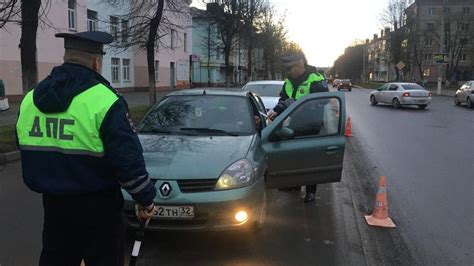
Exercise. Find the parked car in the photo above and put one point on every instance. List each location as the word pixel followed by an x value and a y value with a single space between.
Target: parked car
pixel 211 163
pixel 335 82
pixel 401 94
pixel 344 84
pixel 465 94
pixel 268 90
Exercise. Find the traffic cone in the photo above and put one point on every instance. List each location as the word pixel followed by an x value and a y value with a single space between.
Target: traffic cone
pixel 348 131
pixel 380 215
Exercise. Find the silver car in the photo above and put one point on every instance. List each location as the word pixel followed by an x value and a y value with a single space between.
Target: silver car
pixel 465 94
pixel 401 94
pixel 268 90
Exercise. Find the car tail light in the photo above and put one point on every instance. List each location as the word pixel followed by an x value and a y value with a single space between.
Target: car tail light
pixel 430 94
pixel 406 94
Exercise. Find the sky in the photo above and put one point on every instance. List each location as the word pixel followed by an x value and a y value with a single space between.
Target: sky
pixel 324 28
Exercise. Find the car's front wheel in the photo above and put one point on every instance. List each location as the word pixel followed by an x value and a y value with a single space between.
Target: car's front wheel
pixel 373 101
pixel 469 103
pixel 396 103
pixel 456 100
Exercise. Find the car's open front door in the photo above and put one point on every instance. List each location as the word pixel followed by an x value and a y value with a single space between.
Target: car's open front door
pixel 305 144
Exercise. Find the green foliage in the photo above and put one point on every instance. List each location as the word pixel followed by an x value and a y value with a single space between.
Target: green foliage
pixel 7 138
pixel 350 64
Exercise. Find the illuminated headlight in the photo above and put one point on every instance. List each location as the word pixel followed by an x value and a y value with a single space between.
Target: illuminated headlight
pixel 239 174
pixel 241 216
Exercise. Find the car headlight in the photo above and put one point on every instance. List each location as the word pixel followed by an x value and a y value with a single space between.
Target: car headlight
pixel 239 174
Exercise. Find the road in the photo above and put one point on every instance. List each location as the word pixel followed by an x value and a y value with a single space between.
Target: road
pixel 323 232
pixel 427 157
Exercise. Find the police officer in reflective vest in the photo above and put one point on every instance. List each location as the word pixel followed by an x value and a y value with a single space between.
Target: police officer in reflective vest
pixel 302 80
pixel 78 148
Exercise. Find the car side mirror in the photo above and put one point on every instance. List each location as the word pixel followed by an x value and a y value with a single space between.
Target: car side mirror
pixel 284 133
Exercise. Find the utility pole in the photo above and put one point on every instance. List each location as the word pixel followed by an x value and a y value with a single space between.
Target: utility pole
pixel 441 48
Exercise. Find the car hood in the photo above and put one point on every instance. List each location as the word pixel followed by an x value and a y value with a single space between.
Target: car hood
pixel 192 157
pixel 270 102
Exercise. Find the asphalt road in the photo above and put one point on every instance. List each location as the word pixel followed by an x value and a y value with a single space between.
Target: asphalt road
pixel 324 232
pixel 427 157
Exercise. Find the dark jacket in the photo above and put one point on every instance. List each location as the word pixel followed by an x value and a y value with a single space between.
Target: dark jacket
pixel 61 174
pixel 318 86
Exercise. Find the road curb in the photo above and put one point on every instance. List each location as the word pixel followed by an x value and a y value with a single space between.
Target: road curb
pixel 9 157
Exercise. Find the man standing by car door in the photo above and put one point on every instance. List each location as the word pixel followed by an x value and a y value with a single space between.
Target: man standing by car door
pixel 301 80
pixel 78 147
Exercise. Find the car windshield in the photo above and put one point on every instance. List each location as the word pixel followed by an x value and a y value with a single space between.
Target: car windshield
pixel 346 81
pixel 265 90
pixel 200 114
pixel 410 87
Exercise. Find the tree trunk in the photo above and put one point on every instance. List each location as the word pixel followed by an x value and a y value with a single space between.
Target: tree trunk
pixel 228 69
pixel 29 26
pixel 249 61
pixel 150 51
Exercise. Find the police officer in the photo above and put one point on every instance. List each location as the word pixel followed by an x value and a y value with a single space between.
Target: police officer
pixel 302 80
pixel 78 147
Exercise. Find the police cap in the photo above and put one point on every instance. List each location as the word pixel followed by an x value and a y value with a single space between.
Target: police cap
pixel 88 41
pixel 291 60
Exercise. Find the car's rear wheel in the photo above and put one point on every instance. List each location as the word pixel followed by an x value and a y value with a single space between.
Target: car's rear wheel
pixel 396 103
pixel 456 100
pixel 372 100
pixel 422 106
pixel 469 103
pixel 350 89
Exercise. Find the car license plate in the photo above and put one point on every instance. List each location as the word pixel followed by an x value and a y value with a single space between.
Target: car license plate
pixel 419 101
pixel 173 212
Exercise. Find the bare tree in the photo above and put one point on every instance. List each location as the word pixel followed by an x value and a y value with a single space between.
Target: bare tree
pixel 394 17
pixel 28 14
pixel 272 38
pixel 253 11
pixel 227 15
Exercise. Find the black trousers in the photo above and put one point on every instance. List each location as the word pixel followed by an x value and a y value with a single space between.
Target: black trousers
pixel 311 188
pixel 88 227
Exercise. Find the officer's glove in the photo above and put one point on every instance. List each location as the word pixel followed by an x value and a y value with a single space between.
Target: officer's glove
pixel 145 213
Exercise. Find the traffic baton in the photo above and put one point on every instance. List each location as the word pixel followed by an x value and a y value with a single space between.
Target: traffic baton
pixel 138 241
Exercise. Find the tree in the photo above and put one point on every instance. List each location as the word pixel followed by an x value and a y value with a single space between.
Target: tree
pixel 394 17
pixel 350 64
pixel 227 15
pixel 28 16
pixel 272 38
pixel 151 21
pixel 253 11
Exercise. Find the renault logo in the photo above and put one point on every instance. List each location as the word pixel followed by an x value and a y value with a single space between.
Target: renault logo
pixel 165 189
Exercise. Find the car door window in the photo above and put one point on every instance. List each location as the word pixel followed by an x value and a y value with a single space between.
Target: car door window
pixel 319 117
pixel 393 87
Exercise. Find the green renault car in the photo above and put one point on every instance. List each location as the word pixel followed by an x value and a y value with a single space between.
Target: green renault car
pixel 212 156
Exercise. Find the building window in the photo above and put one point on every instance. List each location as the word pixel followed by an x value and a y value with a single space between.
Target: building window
pixel 428 57
pixel 463 58
pixel 115 69
pixel 466 11
pixel 173 39
pixel 124 31
pixel 114 27
pixel 430 26
pixel 448 11
pixel 431 11
pixel 71 11
pixel 218 53
pixel 157 72
pixel 185 37
pixel 426 72
pixel 428 42
pixel 91 20
pixel 126 69
pixel 465 26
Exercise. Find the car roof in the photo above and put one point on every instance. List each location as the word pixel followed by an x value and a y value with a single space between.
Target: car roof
pixel 206 91
pixel 276 82
pixel 402 83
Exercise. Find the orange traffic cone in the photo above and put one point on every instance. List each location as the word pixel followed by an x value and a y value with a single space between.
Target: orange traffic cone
pixel 348 132
pixel 380 215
